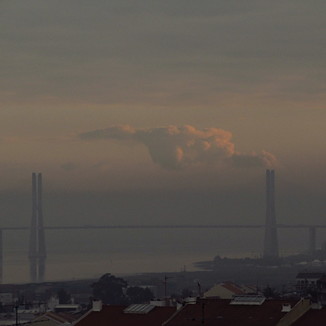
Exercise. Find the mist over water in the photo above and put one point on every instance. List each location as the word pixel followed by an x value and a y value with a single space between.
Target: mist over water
pixel 79 254
pixel 89 253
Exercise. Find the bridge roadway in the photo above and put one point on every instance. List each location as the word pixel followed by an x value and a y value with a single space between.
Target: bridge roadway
pixel 310 227
pixel 167 226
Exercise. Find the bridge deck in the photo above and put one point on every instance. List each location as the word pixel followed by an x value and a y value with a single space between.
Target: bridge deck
pixel 169 226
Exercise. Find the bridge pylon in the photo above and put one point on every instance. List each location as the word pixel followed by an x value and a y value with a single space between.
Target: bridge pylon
pixel 270 241
pixel 312 240
pixel 37 249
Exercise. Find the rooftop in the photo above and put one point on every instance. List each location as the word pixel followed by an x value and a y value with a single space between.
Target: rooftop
pixel 57 318
pixel 118 316
pixel 313 317
pixel 221 312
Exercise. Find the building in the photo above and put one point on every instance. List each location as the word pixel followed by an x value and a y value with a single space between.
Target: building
pixel 227 290
pixel 248 310
pixel 6 298
pixel 53 319
pixel 307 281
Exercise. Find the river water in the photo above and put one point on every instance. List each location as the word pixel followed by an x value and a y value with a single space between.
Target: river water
pixel 88 254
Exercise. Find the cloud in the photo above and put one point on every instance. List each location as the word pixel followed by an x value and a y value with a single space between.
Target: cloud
pixel 176 147
pixel 159 49
pixel 264 159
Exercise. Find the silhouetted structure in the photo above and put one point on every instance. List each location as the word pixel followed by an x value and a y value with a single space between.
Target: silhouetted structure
pixel 271 243
pixel 37 251
pixel 312 241
pixel 1 257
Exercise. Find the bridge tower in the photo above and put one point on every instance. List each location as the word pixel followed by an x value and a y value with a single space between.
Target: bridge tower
pixel 271 241
pixel 1 257
pixel 312 240
pixel 37 249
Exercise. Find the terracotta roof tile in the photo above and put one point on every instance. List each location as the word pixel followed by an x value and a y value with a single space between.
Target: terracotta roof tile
pixel 314 317
pixel 233 288
pixel 114 315
pixel 57 317
pixel 220 312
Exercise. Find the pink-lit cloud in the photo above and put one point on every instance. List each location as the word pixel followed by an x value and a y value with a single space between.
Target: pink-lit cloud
pixel 176 147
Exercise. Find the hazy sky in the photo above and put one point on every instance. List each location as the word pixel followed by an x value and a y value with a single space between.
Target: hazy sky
pixel 162 109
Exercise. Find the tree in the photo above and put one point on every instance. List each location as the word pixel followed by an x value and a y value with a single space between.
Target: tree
pixel 63 296
pixel 270 292
pixel 110 289
pixel 137 294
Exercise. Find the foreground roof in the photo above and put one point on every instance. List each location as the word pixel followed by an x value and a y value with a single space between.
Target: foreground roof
pixel 116 315
pixel 313 317
pixel 221 312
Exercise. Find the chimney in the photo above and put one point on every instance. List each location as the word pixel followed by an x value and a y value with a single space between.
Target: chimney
pixel 97 305
pixel 286 307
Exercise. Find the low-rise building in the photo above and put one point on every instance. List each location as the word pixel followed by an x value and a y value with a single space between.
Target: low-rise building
pixel 227 290
pixel 53 319
pixel 6 298
pixel 307 281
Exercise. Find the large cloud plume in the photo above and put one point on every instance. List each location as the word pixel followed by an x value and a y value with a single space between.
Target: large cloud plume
pixel 175 147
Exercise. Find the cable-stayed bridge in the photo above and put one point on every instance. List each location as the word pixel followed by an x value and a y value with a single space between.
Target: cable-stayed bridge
pixel 37 246
pixel 167 226
pixel 310 227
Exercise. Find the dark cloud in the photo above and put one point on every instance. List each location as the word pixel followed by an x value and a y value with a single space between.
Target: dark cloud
pixel 175 147
pixel 74 50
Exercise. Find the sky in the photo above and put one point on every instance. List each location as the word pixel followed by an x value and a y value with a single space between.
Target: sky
pixel 162 111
